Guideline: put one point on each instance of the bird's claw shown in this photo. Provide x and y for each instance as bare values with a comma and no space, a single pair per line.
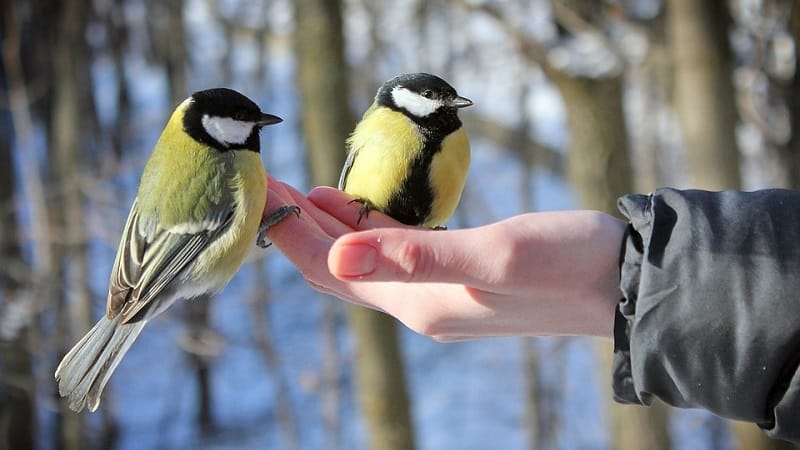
363,212
271,219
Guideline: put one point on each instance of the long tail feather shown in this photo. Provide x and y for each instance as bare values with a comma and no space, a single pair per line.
83,373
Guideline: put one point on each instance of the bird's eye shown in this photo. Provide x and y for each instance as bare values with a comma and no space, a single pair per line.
427,93
240,116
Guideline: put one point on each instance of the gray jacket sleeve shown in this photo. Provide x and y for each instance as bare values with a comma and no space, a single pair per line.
711,311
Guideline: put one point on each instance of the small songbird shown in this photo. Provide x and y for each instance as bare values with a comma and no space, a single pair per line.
408,157
197,212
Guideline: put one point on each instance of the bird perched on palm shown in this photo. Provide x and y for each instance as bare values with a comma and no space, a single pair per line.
197,211
408,157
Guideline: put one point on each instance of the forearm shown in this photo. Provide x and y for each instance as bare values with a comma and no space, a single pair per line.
548,273
568,260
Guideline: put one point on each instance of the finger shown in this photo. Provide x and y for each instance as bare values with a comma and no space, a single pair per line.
419,255
289,195
305,242
278,196
341,205
343,291
302,240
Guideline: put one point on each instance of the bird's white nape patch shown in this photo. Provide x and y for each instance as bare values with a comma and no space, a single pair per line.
414,103
227,131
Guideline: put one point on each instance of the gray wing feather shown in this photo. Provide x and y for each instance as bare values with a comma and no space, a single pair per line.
348,164
149,259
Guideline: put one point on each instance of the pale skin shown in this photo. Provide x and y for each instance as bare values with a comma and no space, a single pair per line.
548,273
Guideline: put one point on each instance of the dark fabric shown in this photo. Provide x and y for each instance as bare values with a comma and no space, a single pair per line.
711,310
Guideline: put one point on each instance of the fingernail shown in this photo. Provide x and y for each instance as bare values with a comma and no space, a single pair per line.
357,260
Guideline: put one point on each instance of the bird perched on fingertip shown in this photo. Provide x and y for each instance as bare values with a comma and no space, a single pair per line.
409,155
197,212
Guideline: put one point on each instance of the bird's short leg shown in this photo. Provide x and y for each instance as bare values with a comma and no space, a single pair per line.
366,207
271,219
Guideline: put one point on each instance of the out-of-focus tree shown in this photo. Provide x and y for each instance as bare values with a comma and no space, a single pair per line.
769,82
70,116
587,68
69,64
705,103
198,341
791,92
169,45
17,387
600,169
326,117
287,423
704,93
72,99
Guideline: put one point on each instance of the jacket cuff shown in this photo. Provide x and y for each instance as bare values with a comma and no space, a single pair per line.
710,309
637,236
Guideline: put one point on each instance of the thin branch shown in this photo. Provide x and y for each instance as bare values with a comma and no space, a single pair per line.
527,46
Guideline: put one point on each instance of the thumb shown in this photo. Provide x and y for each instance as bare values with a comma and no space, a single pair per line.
414,255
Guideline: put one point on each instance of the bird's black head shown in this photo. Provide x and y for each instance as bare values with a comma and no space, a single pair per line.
225,119
426,99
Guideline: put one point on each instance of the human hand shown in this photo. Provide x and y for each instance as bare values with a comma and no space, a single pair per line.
549,273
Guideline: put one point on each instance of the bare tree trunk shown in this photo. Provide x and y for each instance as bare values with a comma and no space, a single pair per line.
704,100
197,328
322,76
66,141
68,278
117,30
322,73
538,432
541,424
704,92
598,157
381,380
331,372
599,167
169,46
790,152
17,417
24,288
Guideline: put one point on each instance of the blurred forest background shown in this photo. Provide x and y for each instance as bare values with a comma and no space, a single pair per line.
576,103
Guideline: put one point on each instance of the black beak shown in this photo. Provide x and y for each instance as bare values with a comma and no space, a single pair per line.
268,119
461,102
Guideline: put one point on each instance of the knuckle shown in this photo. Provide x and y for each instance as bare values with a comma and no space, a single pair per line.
500,269
413,262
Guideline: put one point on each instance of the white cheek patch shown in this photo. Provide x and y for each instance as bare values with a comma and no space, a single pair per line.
414,103
226,130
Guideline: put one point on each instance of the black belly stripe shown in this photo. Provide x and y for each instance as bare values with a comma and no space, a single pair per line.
413,202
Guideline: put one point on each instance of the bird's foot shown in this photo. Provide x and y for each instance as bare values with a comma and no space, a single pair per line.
366,207
439,228
272,219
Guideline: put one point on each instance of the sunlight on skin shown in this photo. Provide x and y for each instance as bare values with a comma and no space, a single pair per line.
545,274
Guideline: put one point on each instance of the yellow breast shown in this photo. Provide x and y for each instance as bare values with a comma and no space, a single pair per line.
222,259
387,142
447,177
186,183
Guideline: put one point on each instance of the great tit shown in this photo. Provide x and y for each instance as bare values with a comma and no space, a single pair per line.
408,157
197,211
